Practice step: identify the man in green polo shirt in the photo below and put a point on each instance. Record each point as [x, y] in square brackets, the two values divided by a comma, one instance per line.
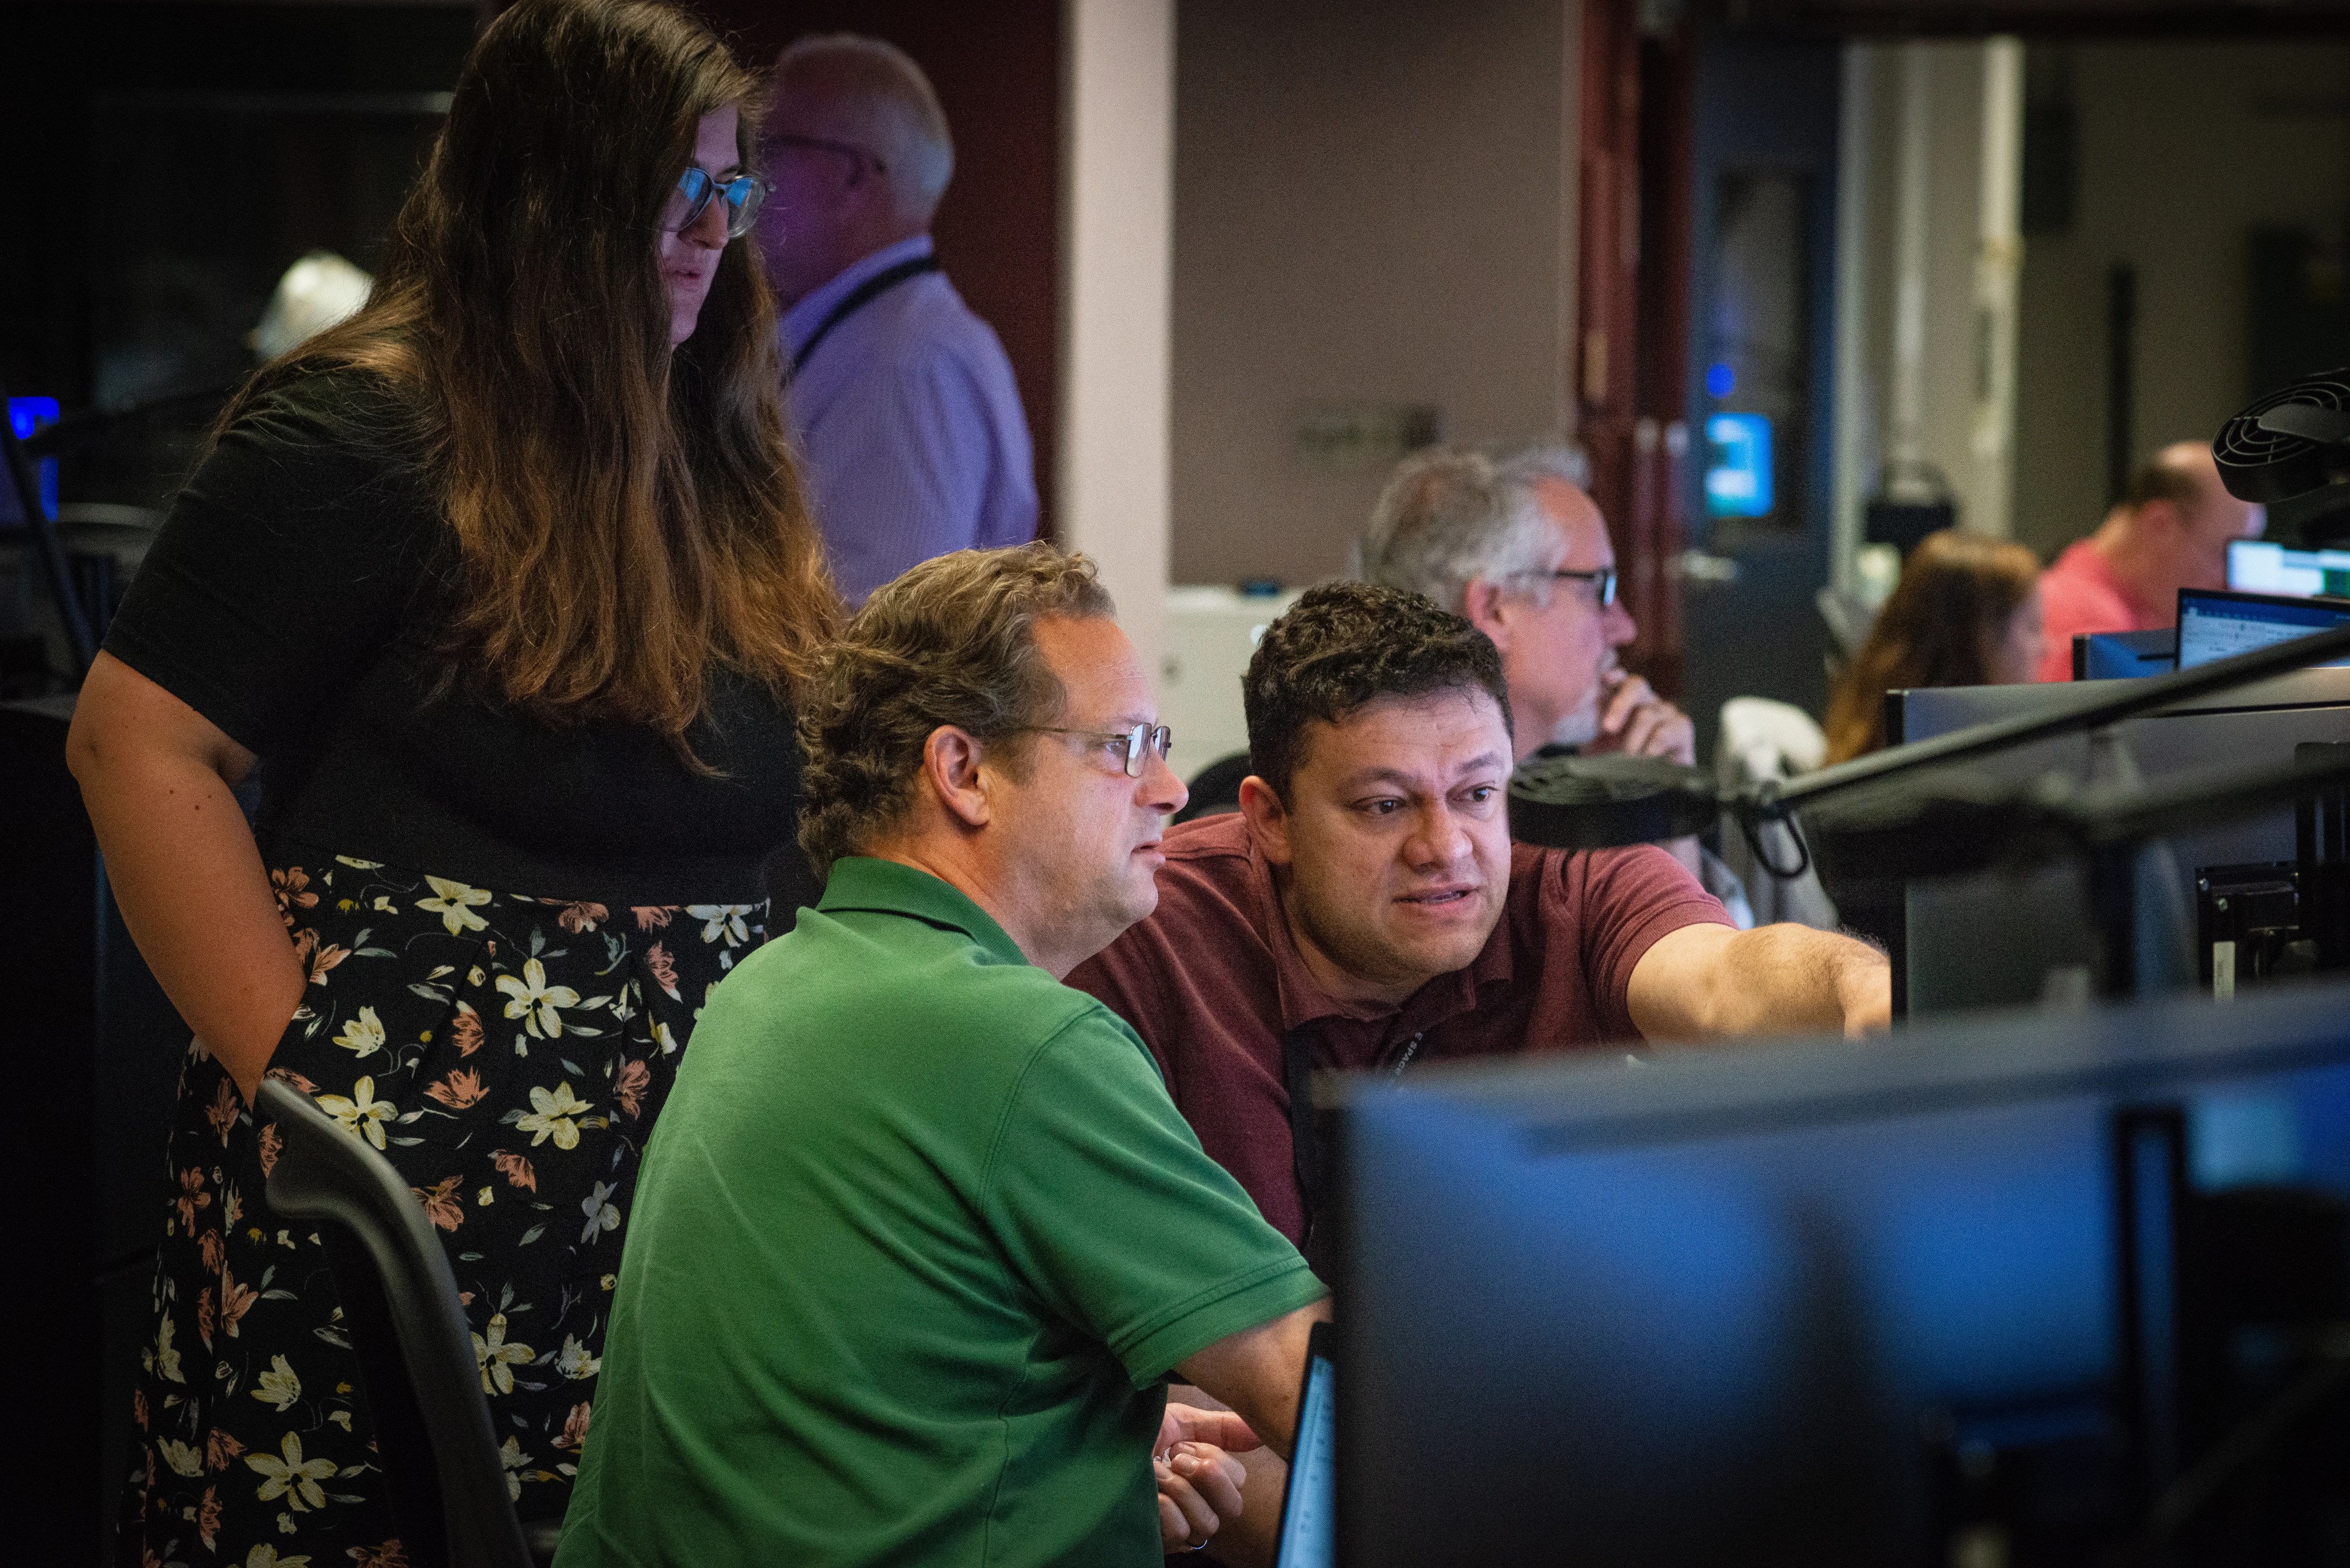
[921, 1237]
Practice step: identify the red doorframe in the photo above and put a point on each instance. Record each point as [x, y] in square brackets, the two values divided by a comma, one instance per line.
[1632, 310]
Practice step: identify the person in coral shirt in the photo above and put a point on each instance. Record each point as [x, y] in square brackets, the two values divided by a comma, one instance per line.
[2168, 531]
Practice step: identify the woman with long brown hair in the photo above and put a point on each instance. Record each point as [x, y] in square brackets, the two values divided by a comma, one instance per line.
[506, 585]
[1966, 613]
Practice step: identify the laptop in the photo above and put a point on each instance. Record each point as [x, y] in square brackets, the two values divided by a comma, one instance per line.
[1309, 1533]
[2214, 623]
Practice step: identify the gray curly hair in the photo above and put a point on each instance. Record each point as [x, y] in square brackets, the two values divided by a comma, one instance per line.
[1451, 517]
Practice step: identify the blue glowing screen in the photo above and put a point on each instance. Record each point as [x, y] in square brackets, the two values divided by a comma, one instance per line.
[27, 415]
[1738, 465]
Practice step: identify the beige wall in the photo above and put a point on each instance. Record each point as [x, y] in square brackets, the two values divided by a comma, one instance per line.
[1372, 206]
[2183, 147]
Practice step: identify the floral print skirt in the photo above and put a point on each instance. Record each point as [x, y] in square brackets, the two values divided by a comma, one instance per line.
[508, 1054]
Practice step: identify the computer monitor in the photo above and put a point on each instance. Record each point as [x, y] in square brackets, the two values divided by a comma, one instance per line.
[1982, 1294]
[2259, 566]
[2006, 939]
[2121, 655]
[1308, 1537]
[2216, 623]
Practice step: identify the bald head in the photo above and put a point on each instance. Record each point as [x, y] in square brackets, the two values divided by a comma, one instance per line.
[2175, 519]
[858, 152]
[872, 95]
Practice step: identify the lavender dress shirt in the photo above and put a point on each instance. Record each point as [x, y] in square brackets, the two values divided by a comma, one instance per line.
[908, 423]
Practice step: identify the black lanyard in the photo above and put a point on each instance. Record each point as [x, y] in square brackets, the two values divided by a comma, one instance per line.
[1305, 1126]
[858, 298]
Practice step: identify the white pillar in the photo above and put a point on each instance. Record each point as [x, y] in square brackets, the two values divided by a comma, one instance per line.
[1907, 448]
[1999, 265]
[1855, 118]
[1116, 303]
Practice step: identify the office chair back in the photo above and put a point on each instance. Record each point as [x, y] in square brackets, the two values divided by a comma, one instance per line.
[446, 1482]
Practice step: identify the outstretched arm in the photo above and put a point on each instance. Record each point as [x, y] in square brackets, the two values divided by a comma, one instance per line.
[1707, 980]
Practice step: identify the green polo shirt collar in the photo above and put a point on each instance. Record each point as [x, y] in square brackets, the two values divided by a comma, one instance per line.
[863, 883]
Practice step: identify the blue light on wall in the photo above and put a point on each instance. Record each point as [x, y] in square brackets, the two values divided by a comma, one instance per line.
[1738, 465]
[27, 415]
[1721, 380]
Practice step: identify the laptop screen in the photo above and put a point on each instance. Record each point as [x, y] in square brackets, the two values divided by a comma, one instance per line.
[2214, 625]
[1309, 1534]
[2257, 566]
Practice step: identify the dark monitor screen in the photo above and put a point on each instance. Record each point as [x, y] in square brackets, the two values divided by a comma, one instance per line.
[2004, 939]
[2121, 655]
[1826, 1304]
[2213, 624]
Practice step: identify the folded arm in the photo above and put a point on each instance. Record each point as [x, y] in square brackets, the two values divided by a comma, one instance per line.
[1256, 1373]
[1707, 980]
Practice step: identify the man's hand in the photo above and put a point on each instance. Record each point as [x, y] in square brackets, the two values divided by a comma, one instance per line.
[1198, 1481]
[1637, 722]
[1866, 992]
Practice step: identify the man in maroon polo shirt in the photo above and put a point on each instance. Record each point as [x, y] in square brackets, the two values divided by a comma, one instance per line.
[1364, 908]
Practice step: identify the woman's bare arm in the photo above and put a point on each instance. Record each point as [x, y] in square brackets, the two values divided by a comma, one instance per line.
[155, 777]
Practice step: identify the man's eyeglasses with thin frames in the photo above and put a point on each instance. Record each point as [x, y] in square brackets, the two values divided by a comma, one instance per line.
[857, 156]
[1603, 582]
[1153, 737]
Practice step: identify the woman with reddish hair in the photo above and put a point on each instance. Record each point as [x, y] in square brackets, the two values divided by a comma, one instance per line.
[1966, 613]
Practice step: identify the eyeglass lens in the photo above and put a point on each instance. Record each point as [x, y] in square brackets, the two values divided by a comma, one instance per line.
[694, 191]
[1158, 738]
[1602, 581]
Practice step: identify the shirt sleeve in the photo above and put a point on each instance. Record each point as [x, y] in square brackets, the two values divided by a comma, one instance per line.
[1111, 1213]
[1628, 898]
[292, 555]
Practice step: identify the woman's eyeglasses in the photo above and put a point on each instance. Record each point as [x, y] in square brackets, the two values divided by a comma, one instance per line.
[743, 195]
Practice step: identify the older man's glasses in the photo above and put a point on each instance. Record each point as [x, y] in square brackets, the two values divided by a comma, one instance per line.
[1133, 743]
[696, 188]
[857, 156]
[1603, 582]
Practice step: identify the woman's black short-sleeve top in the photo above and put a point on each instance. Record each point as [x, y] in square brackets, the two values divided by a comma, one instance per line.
[291, 600]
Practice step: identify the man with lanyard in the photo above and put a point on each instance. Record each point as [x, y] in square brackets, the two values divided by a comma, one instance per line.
[903, 399]
[1366, 908]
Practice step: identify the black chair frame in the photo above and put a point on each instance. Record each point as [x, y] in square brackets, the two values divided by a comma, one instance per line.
[444, 1475]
